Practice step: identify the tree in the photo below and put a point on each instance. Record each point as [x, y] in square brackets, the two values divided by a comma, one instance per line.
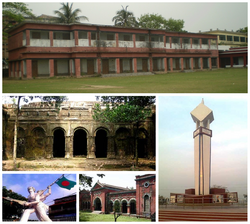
[152, 21]
[12, 209]
[86, 181]
[49, 99]
[125, 18]
[14, 13]
[68, 15]
[155, 21]
[243, 30]
[131, 109]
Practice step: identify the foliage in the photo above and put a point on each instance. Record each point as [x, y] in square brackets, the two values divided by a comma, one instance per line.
[155, 21]
[152, 21]
[11, 209]
[123, 108]
[117, 206]
[125, 18]
[14, 13]
[67, 15]
[243, 30]
[86, 181]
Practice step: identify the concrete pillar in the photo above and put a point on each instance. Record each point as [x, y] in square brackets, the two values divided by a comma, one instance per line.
[51, 37]
[134, 40]
[201, 61]
[29, 68]
[78, 67]
[182, 66]
[89, 38]
[165, 65]
[192, 63]
[210, 63]
[51, 68]
[171, 64]
[117, 39]
[150, 64]
[27, 38]
[231, 61]
[135, 65]
[76, 37]
[118, 66]
[218, 62]
[99, 65]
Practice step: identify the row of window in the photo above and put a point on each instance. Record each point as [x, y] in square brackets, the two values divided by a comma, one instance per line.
[111, 36]
[232, 38]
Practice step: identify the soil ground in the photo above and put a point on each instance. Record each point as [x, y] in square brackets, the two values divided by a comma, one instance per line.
[78, 164]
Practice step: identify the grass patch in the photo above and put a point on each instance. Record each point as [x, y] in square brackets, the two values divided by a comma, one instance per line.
[89, 217]
[231, 80]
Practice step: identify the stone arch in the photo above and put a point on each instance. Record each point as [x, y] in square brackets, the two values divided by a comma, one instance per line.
[97, 204]
[146, 202]
[132, 203]
[124, 208]
[142, 143]
[101, 142]
[59, 142]
[80, 142]
[123, 145]
[117, 206]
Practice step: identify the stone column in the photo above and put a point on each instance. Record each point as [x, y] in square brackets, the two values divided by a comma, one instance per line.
[49, 151]
[68, 147]
[91, 148]
[111, 147]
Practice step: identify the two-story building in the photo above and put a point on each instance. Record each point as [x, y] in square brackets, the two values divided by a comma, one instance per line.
[39, 49]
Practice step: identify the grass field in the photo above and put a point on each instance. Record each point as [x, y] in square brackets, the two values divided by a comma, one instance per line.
[89, 217]
[231, 80]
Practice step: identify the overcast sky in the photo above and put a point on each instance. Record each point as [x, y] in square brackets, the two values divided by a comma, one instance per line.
[197, 16]
[20, 182]
[228, 143]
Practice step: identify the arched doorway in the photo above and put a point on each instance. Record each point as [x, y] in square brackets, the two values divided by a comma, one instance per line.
[142, 144]
[117, 207]
[101, 143]
[20, 151]
[124, 206]
[111, 206]
[98, 204]
[59, 144]
[132, 207]
[80, 143]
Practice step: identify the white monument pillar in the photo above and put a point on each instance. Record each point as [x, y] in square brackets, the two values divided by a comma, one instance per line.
[202, 116]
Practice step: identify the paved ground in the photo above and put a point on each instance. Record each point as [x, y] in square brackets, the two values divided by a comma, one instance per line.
[79, 164]
[208, 214]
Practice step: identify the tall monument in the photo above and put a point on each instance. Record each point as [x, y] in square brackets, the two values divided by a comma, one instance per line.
[203, 117]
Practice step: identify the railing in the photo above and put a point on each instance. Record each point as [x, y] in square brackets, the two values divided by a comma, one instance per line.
[195, 203]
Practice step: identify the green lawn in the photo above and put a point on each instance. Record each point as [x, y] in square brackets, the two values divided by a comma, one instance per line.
[231, 80]
[89, 217]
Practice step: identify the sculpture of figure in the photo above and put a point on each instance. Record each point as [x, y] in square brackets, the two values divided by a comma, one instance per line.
[35, 203]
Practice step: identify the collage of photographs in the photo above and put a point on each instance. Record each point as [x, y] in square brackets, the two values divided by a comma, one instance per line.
[124, 112]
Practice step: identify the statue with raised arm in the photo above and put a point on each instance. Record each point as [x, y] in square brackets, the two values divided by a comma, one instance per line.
[35, 204]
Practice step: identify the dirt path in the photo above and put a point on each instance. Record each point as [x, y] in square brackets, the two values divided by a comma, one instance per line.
[78, 164]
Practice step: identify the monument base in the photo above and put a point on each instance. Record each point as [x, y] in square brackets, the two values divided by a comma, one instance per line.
[216, 196]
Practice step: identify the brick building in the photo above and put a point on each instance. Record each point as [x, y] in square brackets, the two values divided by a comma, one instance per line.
[45, 131]
[39, 49]
[140, 201]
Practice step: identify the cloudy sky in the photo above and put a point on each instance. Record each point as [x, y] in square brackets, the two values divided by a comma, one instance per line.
[196, 15]
[20, 182]
[228, 143]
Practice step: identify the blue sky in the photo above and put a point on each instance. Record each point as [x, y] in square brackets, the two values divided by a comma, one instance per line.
[176, 145]
[20, 182]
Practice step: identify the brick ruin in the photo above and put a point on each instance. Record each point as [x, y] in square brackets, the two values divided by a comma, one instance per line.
[45, 131]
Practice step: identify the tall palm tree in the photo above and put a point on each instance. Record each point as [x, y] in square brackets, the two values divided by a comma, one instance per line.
[125, 18]
[67, 15]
